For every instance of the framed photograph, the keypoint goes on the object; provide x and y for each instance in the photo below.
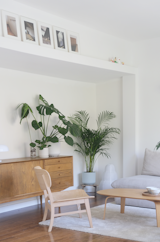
(45, 35)
(60, 39)
(11, 26)
(73, 42)
(29, 30)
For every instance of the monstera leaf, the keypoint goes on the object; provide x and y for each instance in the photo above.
(75, 130)
(53, 139)
(62, 131)
(24, 111)
(36, 125)
(68, 140)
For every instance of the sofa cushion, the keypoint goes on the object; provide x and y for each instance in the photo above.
(139, 182)
(151, 164)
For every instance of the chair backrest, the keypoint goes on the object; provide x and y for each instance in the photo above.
(43, 177)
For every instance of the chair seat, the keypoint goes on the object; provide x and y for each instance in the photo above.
(70, 195)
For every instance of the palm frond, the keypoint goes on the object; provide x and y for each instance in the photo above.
(80, 118)
(104, 118)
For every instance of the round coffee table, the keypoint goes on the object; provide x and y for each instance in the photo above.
(124, 193)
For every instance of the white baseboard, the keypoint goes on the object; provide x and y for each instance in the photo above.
(10, 206)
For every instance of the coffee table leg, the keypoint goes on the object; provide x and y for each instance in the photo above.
(105, 207)
(122, 204)
(158, 213)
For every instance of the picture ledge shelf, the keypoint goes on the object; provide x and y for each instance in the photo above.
(36, 59)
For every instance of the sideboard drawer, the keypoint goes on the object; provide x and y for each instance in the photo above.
(62, 182)
(59, 167)
(56, 161)
(59, 174)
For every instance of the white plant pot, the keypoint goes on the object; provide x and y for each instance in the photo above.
(89, 178)
(54, 149)
(43, 153)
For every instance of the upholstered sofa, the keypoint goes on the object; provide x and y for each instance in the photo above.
(150, 176)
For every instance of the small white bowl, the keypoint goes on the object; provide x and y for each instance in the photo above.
(153, 190)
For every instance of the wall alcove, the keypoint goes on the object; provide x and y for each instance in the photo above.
(16, 55)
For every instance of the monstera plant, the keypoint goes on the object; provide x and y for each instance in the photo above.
(58, 132)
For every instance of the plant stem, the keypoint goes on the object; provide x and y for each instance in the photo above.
(29, 130)
(47, 124)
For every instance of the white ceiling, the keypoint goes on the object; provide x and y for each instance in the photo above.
(132, 20)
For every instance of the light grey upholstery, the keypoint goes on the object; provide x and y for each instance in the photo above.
(139, 182)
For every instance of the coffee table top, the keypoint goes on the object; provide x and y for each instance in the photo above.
(128, 193)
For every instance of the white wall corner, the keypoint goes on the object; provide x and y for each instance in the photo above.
(129, 126)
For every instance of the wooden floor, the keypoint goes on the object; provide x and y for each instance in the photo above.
(22, 226)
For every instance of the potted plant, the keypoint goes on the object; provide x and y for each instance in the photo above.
(58, 131)
(93, 143)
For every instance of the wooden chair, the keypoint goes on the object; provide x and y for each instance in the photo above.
(59, 199)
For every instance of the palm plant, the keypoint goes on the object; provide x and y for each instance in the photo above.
(93, 143)
(58, 132)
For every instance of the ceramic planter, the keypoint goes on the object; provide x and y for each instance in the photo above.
(89, 178)
(54, 149)
(44, 153)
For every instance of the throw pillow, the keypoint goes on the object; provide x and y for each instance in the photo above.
(151, 164)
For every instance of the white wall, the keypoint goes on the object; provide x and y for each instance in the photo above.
(67, 96)
(147, 58)
(109, 97)
(93, 43)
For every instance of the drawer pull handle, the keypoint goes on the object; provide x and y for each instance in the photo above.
(59, 161)
(59, 174)
(59, 183)
(59, 167)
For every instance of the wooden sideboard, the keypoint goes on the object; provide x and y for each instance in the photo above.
(18, 179)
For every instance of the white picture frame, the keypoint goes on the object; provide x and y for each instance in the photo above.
(45, 35)
(73, 42)
(60, 39)
(29, 31)
(11, 25)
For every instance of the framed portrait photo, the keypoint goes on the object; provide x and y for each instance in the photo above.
(45, 35)
(73, 42)
(11, 26)
(60, 39)
(29, 30)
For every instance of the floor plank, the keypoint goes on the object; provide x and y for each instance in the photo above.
(22, 226)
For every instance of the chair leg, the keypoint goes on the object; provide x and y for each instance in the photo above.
(79, 208)
(59, 210)
(45, 211)
(52, 218)
(88, 210)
